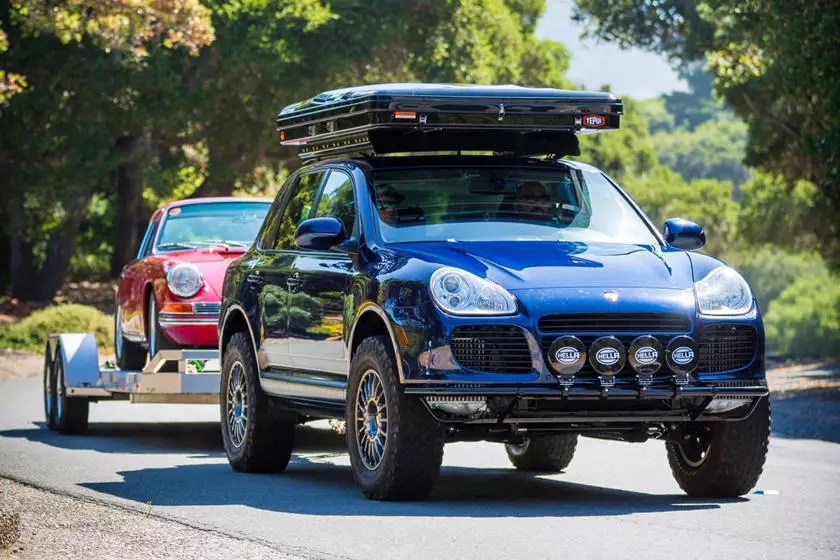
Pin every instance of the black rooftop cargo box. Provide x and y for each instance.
(390, 118)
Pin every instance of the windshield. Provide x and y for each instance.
(213, 223)
(504, 204)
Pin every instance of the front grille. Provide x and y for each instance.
(207, 308)
(726, 347)
(615, 323)
(492, 348)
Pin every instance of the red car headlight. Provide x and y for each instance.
(184, 280)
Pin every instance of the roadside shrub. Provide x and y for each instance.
(805, 319)
(31, 333)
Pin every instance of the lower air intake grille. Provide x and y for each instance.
(492, 348)
(726, 347)
(615, 323)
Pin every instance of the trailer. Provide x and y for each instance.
(73, 379)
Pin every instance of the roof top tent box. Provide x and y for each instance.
(392, 118)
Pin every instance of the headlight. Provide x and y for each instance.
(184, 280)
(460, 293)
(723, 292)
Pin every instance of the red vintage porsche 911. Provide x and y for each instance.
(169, 296)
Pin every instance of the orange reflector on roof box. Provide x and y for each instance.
(404, 114)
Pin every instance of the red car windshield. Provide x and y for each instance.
(213, 223)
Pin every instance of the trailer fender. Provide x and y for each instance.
(80, 358)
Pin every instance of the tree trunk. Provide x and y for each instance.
(129, 202)
(60, 247)
(20, 253)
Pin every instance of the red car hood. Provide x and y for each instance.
(212, 263)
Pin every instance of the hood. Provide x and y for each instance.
(520, 265)
(212, 263)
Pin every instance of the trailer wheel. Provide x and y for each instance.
(257, 437)
(71, 414)
(49, 389)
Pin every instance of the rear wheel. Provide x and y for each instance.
(722, 459)
(548, 453)
(256, 435)
(71, 414)
(130, 356)
(395, 445)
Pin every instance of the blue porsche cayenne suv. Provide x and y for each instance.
(433, 298)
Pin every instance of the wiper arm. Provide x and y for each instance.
(226, 242)
(180, 245)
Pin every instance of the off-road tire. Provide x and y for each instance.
(413, 449)
(130, 355)
(269, 434)
(71, 413)
(548, 453)
(49, 390)
(734, 461)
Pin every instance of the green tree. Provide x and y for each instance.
(713, 150)
(775, 63)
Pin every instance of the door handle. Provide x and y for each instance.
(256, 280)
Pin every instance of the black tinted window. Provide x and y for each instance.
(298, 209)
(337, 200)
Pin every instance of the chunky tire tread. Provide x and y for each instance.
(735, 461)
(414, 448)
(551, 453)
(269, 438)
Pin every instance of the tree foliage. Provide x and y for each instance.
(714, 150)
(775, 63)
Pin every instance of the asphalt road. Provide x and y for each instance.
(615, 501)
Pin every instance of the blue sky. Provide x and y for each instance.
(628, 72)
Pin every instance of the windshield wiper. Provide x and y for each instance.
(226, 242)
(180, 245)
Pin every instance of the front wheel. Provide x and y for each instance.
(722, 459)
(130, 356)
(395, 445)
(255, 435)
(157, 340)
(550, 453)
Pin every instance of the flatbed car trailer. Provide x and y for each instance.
(73, 379)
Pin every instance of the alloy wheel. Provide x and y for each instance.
(237, 404)
(371, 413)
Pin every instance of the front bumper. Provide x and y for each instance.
(191, 329)
(585, 406)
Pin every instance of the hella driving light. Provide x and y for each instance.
(461, 293)
(723, 292)
(184, 280)
(607, 356)
(646, 355)
(567, 355)
(682, 356)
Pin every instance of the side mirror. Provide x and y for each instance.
(320, 234)
(684, 234)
